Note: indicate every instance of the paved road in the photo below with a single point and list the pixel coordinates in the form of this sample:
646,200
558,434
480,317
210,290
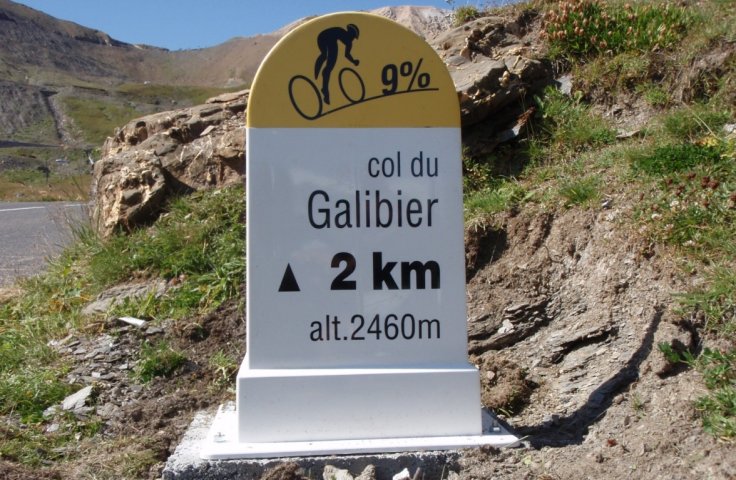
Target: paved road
31,233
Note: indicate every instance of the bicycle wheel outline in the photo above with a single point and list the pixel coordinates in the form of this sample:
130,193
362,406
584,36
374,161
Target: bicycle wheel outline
342,87
293,100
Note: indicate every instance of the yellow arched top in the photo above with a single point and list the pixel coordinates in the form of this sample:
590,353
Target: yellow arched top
352,70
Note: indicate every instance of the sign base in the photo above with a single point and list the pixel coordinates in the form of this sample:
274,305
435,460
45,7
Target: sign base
305,412
221,442
293,405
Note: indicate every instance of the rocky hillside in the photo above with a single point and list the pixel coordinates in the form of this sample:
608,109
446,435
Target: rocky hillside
41,50
43,56
38,49
55,76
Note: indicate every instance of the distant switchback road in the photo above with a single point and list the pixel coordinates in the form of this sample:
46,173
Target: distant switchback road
31,233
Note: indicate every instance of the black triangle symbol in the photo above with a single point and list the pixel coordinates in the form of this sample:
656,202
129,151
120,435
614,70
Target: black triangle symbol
288,283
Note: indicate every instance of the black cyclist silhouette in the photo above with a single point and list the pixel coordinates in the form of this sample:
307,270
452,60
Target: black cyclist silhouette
311,97
327,41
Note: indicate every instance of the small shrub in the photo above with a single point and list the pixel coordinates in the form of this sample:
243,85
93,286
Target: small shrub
477,175
654,94
466,13
589,27
675,356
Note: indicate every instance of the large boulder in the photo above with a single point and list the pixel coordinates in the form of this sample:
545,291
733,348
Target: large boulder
128,190
166,153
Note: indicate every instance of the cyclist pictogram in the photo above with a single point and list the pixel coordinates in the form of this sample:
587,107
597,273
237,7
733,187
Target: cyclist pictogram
327,41
311,100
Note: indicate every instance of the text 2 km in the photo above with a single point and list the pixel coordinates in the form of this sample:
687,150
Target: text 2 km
387,275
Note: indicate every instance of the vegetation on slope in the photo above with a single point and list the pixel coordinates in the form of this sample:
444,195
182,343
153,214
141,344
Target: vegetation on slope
32,186
96,118
94,114
680,167
198,246
170,94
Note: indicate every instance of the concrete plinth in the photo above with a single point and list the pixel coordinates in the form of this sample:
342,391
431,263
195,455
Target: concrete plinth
187,464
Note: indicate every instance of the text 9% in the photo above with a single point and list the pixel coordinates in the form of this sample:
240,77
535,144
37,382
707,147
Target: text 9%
391,74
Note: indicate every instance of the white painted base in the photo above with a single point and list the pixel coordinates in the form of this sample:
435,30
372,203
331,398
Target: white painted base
290,412
294,405
221,442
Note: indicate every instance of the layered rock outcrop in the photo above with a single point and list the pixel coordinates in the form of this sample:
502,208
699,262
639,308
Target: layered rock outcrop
493,64
167,153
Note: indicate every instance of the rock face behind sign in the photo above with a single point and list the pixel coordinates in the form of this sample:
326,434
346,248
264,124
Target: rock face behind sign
491,60
167,153
492,63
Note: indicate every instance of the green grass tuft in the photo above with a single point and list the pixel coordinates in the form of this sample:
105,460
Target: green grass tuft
499,196
580,191
225,367
200,242
690,123
669,159
28,391
718,407
717,301
159,360
567,127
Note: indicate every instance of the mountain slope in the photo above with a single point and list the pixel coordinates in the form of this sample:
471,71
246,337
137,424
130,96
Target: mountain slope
37,48
40,49
45,61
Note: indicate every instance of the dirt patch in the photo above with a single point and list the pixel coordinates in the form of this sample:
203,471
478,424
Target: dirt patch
504,385
564,322
143,422
8,293
701,78
12,471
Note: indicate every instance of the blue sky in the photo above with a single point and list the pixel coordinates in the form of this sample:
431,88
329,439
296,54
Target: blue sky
183,24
